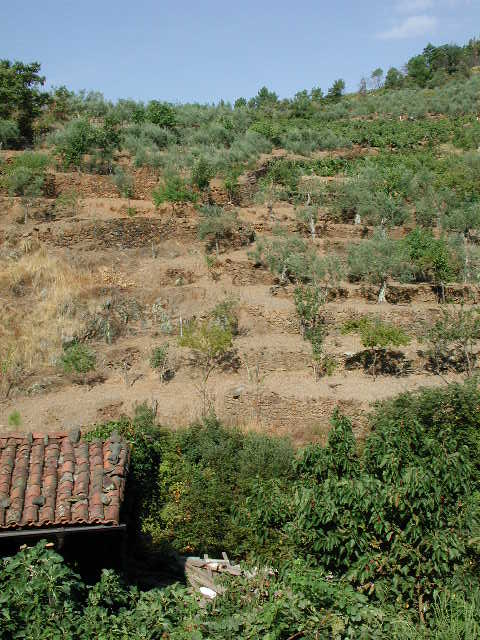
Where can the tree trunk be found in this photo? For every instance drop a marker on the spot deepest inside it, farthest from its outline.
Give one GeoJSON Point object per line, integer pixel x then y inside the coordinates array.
{"type": "Point", "coordinates": [381, 294]}
{"type": "Point", "coordinates": [467, 261]}
{"type": "Point", "coordinates": [312, 228]}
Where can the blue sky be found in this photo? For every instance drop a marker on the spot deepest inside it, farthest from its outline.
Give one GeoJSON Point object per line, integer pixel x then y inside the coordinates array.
{"type": "Point", "coordinates": [206, 50]}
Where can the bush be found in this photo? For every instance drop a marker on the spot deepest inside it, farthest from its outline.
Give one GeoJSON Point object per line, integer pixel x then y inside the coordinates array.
{"type": "Point", "coordinates": [218, 225]}
{"type": "Point", "coordinates": [78, 358]}
{"type": "Point", "coordinates": [206, 471]}
{"type": "Point", "coordinates": [202, 173]}
{"type": "Point", "coordinates": [74, 141]}
{"type": "Point", "coordinates": [9, 134]}
{"type": "Point", "coordinates": [124, 183]}
{"type": "Point", "coordinates": [451, 340]}
{"type": "Point", "coordinates": [161, 114]}
{"type": "Point", "coordinates": [376, 335]}
{"type": "Point", "coordinates": [25, 175]}
{"type": "Point", "coordinates": [174, 190]}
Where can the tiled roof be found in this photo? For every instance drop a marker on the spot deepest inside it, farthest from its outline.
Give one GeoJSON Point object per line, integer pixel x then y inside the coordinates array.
{"type": "Point", "coordinates": [59, 480]}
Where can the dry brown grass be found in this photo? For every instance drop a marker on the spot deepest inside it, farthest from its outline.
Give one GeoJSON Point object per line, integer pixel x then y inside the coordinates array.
{"type": "Point", "coordinates": [43, 298]}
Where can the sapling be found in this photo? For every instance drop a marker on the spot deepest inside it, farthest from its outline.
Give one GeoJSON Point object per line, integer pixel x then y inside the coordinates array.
{"type": "Point", "coordinates": [377, 260]}
{"type": "Point", "coordinates": [376, 335]}
{"type": "Point", "coordinates": [209, 342]}
{"type": "Point", "coordinates": [159, 360]}
{"type": "Point", "coordinates": [457, 330]}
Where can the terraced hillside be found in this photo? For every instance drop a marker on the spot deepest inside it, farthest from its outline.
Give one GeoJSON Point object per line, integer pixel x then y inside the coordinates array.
{"type": "Point", "coordinates": [268, 261]}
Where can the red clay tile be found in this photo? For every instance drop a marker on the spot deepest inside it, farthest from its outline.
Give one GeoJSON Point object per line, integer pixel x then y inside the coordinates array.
{"type": "Point", "coordinates": [55, 479]}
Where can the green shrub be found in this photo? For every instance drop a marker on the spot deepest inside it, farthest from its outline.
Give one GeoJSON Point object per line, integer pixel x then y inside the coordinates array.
{"type": "Point", "coordinates": [73, 142]}
{"type": "Point", "coordinates": [202, 173]}
{"type": "Point", "coordinates": [451, 339]}
{"type": "Point", "coordinates": [25, 174]}
{"type": "Point", "coordinates": [78, 358]}
{"type": "Point", "coordinates": [174, 190]}
{"type": "Point", "coordinates": [206, 470]}
{"type": "Point", "coordinates": [376, 335]}
{"type": "Point", "coordinates": [9, 134]}
{"type": "Point", "coordinates": [218, 225]}
{"type": "Point", "coordinates": [15, 419]}
{"type": "Point", "coordinates": [161, 114]}
{"type": "Point", "coordinates": [124, 182]}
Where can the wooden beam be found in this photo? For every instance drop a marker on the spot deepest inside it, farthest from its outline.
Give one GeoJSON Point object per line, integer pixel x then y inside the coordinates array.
{"type": "Point", "coordinates": [61, 531]}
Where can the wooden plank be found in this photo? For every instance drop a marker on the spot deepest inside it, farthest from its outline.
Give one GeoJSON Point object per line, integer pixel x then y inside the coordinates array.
{"type": "Point", "coordinates": [55, 531]}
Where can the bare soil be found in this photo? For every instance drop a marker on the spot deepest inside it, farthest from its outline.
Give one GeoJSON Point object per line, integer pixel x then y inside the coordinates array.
{"type": "Point", "coordinates": [152, 263]}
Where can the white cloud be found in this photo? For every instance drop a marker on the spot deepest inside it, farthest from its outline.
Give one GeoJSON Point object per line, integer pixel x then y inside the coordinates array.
{"type": "Point", "coordinates": [410, 28]}
{"type": "Point", "coordinates": [412, 6]}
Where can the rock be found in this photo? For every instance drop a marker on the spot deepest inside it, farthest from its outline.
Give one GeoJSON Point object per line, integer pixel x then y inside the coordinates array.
{"type": "Point", "coordinates": [238, 391]}
{"type": "Point", "coordinates": [74, 436]}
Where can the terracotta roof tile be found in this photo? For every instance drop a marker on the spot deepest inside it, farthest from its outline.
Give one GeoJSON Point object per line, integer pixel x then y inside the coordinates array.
{"type": "Point", "coordinates": [56, 479]}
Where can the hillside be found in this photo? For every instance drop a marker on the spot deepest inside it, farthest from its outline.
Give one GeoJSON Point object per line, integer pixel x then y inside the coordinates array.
{"type": "Point", "coordinates": [276, 304]}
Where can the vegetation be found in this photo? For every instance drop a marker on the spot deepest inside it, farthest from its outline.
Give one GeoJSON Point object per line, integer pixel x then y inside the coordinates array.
{"type": "Point", "coordinates": [78, 358]}
{"type": "Point", "coordinates": [370, 537]}
{"type": "Point", "coordinates": [376, 335]}
{"type": "Point", "coordinates": [379, 541]}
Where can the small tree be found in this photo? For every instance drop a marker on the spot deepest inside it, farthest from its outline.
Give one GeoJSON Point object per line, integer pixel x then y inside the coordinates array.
{"type": "Point", "coordinates": [216, 225]}
{"type": "Point", "coordinates": [379, 259]}
{"type": "Point", "coordinates": [25, 177]}
{"type": "Point", "coordinates": [209, 341]}
{"type": "Point", "coordinates": [125, 184]}
{"type": "Point", "coordinates": [308, 218]}
{"type": "Point", "coordinates": [432, 258]}
{"type": "Point", "coordinates": [336, 90]}
{"type": "Point", "coordinates": [377, 78]}
{"type": "Point", "coordinates": [308, 302]}
{"type": "Point", "coordinates": [463, 220]}
{"type": "Point", "coordinates": [21, 97]}
{"type": "Point", "coordinates": [202, 173]}
{"type": "Point", "coordinates": [456, 331]}
{"type": "Point", "coordinates": [376, 335]}
{"type": "Point", "coordinates": [159, 360]}
{"type": "Point", "coordinates": [160, 113]}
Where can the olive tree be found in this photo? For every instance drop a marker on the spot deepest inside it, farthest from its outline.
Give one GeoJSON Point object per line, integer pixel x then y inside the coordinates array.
{"type": "Point", "coordinates": [378, 259]}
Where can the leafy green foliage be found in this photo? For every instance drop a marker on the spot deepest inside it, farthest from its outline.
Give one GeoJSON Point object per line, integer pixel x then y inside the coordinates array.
{"type": "Point", "coordinates": [378, 259]}
{"type": "Point", "coordinates": [433, 257]}
{"type": "Point", "coordinates": [25, 175]}
{"type": "Point", "coordinates": [159, 356]}
{"type": "Point", "coordinates": [206, 471]}
{"type": "Point", "coordinates": [21, 97]}
{"type": "Point", "coordinates": [451, 339]}
{"type": "Point", "coordinates": [218, 226]}
{"type": "Point", "coordinates": [376, 335]}
{"type": "Point", "coordinates": [202, 173]}
{"type": "Point", "coordinates": [15, 419]}
{"type": "Point", "coordinates": [78, 358]}
{"type": "Point", "coordinates": [80, 138]}
{"type": "Point", "coordinates": [146, 439]}
{"type": "Point", "coordinates": [290, 258]}
{"type": "Point", "coordinates": [174, 190]}
{"type": "Point", "coordinates": [161, 114]}
{"type": "Point", "coordinates": [124, 182]}
{"type": "Point", "coordinates": [9, 134]}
